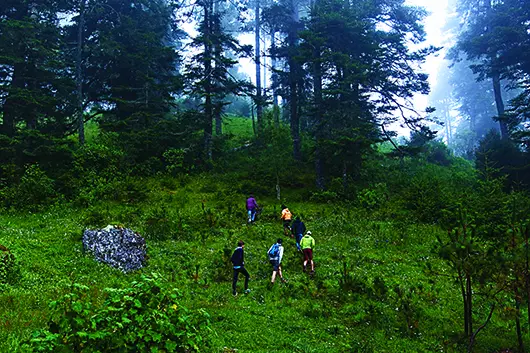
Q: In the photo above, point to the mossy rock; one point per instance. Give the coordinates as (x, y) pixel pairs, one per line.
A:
(7, 265)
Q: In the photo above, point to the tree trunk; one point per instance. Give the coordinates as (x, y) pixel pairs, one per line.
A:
(78, 73)
(208, 105)
(257, 59)
(293, 84)
(274, 81)
(469, 303)
(218, 104)
(274, 75)
(464, 299)
(317, 86)
(295, 119)
(499, 104)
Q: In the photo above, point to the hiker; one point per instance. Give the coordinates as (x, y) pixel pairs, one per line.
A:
(275, 257)
(286, 218)
(308, 244)
(252, 207)
(238, 262)
(298, 229)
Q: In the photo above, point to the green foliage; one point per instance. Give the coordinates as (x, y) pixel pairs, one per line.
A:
(7, 266)
(324, 196)
(174, 159)
(147, 316)
(373, 198)
(34, 191)
(501, 157)
(159, 225)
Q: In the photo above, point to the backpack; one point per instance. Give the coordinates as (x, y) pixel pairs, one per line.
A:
(274, 252)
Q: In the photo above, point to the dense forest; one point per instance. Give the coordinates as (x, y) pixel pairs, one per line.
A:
(143, 115)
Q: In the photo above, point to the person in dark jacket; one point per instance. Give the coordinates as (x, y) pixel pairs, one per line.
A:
(298, 229)
(238, 261)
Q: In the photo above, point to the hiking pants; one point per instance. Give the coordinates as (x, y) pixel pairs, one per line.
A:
(245, 273)
(298, 238)
(251, 215)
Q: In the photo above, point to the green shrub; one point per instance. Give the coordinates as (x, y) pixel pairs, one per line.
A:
(174, 160)
(324, 196)
(147, 317)
(7, 266)
(159, 225)
(35, 190)
(96, 217)
(374, 197)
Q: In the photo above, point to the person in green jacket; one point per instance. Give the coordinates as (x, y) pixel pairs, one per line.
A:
(308, 244)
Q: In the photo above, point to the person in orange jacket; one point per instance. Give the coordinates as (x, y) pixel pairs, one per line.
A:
(286, 218)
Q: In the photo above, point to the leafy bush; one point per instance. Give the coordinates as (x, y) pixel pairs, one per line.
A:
(374, 197)
(145, 317)
(7, 266)
(35, 189)
(159, 225)
(324, 196)
(503, 158)
(174, 160)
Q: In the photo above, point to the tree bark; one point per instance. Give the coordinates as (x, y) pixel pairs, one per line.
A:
(499, 103)
(78, 73)
(257, 59)
(274, 81)
(293, 84)
(464, 298)
(218, 104)
(469, 303)
(317, 87)
(208, 106)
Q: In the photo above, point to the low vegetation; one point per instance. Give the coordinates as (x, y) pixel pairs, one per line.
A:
(397, 254)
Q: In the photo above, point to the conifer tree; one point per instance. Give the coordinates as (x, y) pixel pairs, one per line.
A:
(207, 73)
(34, 84)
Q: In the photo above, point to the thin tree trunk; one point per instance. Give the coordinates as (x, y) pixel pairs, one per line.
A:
(218, 105)
(317, 86)
(274, 82)
(78, 73)
(295, 120)
(464, 299)
(293, 85)
(469, 303)
(274, 75)
(253, 120)
(257, 59)
(208, 105)
(499, 103)
(474, 334)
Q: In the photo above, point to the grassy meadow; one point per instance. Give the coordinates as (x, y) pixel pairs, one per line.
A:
(379, 284)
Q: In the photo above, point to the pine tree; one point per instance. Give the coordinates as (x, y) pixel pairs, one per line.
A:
(34, 84)
(362, 75)
(129, 62)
